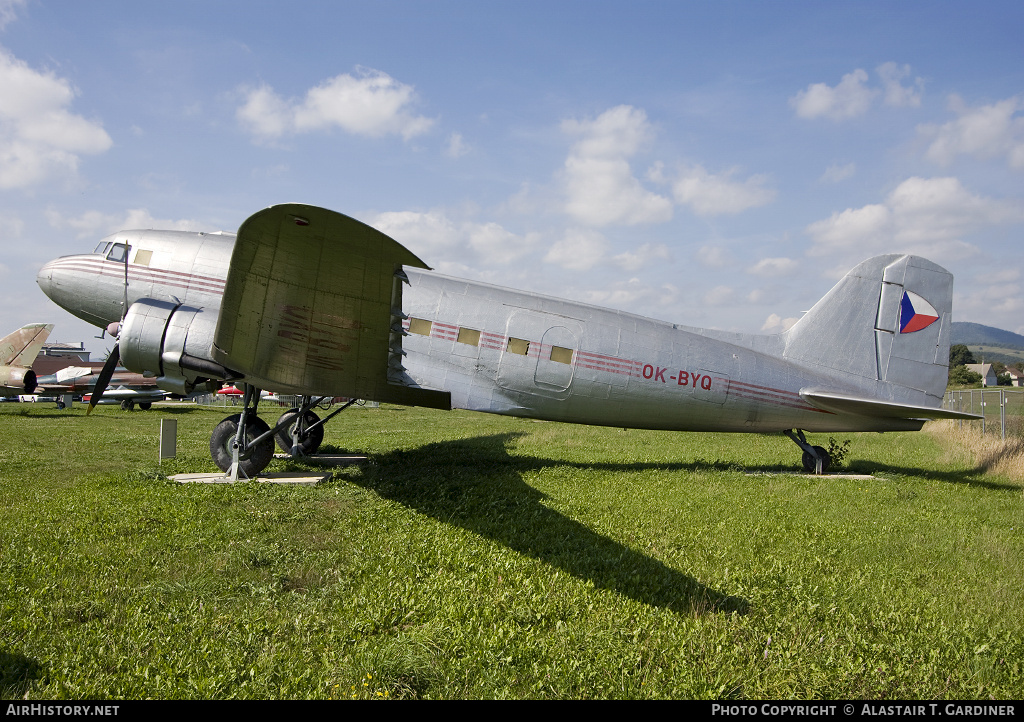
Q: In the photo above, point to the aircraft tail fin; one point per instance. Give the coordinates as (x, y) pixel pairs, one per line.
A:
(21, 347)
(888, 319)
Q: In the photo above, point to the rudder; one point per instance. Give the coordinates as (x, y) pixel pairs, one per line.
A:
(887, 320)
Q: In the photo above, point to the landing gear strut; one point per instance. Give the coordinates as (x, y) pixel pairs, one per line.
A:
(299, 434)
(300, 431)
(815, 459)
(245, 443)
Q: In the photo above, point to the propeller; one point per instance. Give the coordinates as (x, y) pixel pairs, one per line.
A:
(104, 378)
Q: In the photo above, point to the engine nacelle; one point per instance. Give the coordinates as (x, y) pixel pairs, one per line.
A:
(18, 378)
(172, 342)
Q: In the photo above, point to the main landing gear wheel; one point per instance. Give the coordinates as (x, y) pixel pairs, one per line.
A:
(251, 459)
(145, 405)
(809, 461)
(127, 405)
(309, 439)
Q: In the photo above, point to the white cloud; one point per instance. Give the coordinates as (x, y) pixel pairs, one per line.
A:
(853, 97)
(776, 324)
(421, 233)
(719, 296)
(632, 293)
(9, 11)
(455, 147)
(896, 94)
(600, 186)
(1005, 275)
(495, 245)
(578, 250)
(439, 240)
(39, 137)
(11, 227)
(850, 98)
(773, 267)
(989, 131)
(930, 216)
(712, 195)
(372, 104)
(643, 256)
(714, 256)
(836, 173)
(95, 224)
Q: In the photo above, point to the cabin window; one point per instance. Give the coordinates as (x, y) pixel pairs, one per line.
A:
(119, 252)
(469, 336)
(103, 247)
(518, 346)
(561, 355)
(142, 258)
(420, 326)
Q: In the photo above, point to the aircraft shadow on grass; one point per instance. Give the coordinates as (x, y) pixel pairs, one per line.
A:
(971, 477)
(16, 672)
(477, 485)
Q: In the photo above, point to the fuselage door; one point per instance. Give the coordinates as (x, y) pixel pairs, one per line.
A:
(540, 353)
(556, 359)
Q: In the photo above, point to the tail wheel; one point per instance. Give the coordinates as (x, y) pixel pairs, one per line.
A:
(809, 460)
(311, 439)
(253, 459)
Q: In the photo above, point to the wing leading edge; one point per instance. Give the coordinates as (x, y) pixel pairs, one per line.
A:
(310, 307)
(847, 404)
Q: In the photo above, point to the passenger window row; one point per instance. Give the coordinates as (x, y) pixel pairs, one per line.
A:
(471, 337)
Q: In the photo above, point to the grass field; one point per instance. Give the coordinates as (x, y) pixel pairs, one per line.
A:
(483, 557)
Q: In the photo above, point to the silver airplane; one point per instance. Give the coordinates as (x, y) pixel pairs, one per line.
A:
(18, 350)
(310, 302)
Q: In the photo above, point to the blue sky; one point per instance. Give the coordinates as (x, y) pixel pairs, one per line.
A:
(715, 164)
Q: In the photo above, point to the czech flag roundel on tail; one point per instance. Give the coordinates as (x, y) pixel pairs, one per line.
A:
(915, 313)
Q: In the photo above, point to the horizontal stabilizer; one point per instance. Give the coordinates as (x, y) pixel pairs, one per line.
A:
(846, 404)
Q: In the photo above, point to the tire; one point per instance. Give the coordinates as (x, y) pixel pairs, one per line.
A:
(127, 405)
(809, 460)
(145, 405)
(257, 458)
(309, 443)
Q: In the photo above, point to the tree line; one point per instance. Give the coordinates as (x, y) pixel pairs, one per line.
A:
(960, 375)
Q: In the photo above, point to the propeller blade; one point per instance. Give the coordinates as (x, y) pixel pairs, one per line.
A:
(104, 378)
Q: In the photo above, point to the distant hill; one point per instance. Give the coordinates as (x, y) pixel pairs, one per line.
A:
(975, 334)
(988, 343)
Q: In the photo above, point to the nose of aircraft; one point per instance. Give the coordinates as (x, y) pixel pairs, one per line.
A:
(45, 279)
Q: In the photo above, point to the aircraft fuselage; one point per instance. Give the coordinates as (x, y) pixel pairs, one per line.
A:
(508, 352)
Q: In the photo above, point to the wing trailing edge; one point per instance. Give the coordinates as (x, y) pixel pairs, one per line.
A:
(863, 406)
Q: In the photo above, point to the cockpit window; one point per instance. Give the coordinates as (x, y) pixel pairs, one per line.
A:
(103, 247)
(118, 253)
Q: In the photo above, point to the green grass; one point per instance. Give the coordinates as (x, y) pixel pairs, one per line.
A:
(483, 557)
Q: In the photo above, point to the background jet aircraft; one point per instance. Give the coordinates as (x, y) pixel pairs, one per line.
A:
(17, 352)
(313, 303)
(124, 385)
